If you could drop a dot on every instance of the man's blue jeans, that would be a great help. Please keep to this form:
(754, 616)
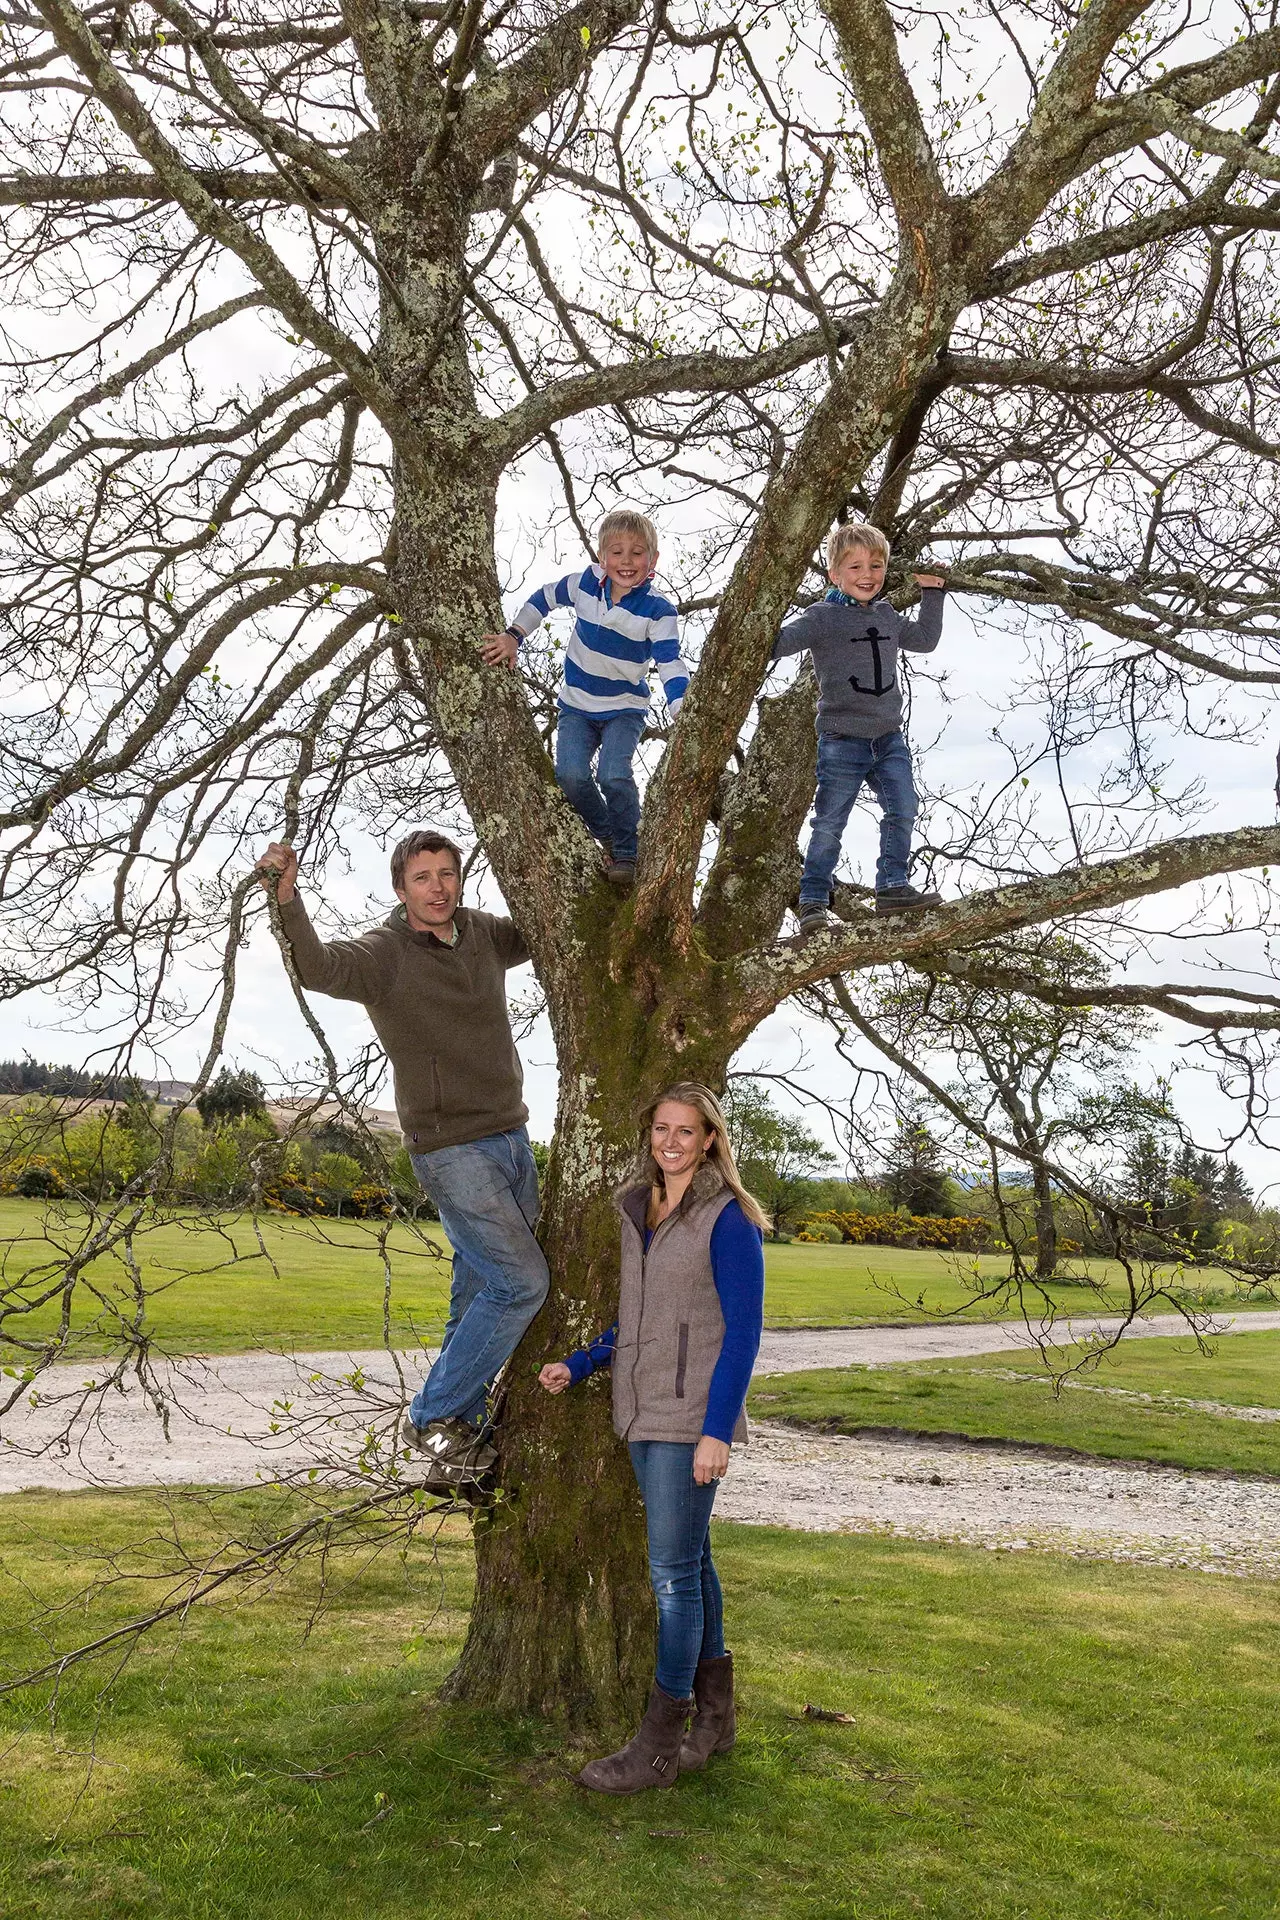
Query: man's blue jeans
(486, 1193)
(685, 1583)
(609, 800)
(885, 765)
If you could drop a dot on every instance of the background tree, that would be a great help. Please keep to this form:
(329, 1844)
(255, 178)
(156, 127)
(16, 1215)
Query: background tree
(1056, 1075)
(235, 1095)
(779, 1158)
(916, 1178)
(291, 291)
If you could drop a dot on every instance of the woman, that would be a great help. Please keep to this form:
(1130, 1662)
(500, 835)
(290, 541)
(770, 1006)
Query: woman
(682, 1349)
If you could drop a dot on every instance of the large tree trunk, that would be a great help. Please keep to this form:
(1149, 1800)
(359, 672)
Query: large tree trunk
(563, 1619)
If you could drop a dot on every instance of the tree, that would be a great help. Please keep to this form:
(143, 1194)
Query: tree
(915, 1177)
(1146, 1174)
(234, 1095)
(1052, 1072)
(778, 1157)
(1235, 1195)
(338, 1174)
(253, 483)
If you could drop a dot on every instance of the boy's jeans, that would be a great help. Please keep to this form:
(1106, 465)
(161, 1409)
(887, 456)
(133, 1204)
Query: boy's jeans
(686, 1587)
(486, 1192)
(885, 764)
(610, 809)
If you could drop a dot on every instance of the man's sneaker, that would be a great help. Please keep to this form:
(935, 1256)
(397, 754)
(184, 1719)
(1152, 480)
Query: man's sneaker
(906, 899)
(622, 873)
(456, 1453)
(812, 918)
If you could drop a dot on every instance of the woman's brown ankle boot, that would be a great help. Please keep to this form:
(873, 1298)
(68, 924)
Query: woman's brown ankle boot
(715, 1721)
(651, 1759)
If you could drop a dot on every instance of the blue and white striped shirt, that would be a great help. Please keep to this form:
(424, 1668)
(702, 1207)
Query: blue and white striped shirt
(612, 644)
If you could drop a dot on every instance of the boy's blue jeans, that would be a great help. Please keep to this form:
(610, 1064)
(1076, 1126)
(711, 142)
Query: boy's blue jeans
(609, 800)
(685, 1583)
(486, 1193)
(885, 765)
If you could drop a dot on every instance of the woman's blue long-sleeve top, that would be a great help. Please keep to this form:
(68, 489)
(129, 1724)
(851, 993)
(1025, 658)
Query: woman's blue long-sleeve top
(737, 1267)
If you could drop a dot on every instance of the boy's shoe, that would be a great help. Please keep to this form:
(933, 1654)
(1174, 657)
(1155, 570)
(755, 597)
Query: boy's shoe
(812, 918)
(457, 1454)
(621, 873)
(906, 899)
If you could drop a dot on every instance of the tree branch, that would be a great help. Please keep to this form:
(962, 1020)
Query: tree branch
(82, 47)
(639, 379)
(1168, 998)
(234, 185)
(499, 107)
(765, 978)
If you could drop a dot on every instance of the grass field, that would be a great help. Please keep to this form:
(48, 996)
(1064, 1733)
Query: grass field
(323, 1284)
(1010, 1397)
(1033, 1739)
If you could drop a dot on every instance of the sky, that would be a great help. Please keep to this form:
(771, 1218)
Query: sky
(980, 656)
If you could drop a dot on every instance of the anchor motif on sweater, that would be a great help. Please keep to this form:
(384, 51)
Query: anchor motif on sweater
(881, 686)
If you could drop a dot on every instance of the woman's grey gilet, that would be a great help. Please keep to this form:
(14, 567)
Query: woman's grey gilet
(670, 1327)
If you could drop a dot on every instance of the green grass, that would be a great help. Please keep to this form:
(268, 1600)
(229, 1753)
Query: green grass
(215, 1292)
(851, 1286)
(1034, 1739)
(1009, 1397)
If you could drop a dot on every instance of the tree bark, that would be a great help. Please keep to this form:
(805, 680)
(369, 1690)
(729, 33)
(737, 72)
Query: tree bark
(1046, 1225)
(562, 1621)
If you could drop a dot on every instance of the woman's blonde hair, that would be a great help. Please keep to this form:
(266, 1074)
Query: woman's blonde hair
(691, 1093)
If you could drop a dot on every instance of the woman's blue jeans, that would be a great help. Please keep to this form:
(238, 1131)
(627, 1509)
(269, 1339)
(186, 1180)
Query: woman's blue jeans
(608, 801)
(685, 1584)
(884, 764)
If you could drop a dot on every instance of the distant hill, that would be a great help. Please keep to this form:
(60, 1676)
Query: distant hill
(35, 1076)
(18, 1077)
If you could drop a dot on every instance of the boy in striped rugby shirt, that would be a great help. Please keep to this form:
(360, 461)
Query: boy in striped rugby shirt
(620, 626)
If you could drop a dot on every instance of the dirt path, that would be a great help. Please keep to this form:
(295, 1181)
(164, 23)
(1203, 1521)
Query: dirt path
(222, 1413)
(1005, 1499)
(954, 1339)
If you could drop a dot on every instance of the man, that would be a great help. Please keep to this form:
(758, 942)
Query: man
(432, 978)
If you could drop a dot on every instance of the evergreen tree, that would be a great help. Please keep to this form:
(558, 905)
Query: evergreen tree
(916, 1179)
(233, 1096)
(1146, 1175)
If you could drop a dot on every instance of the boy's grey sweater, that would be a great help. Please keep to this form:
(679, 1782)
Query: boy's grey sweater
(855, 656)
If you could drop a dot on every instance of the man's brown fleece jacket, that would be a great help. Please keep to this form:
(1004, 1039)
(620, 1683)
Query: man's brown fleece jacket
(440, 1012)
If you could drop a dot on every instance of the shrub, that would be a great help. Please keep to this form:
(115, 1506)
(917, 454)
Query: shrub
(957, 1232)
(40, 1180)
(815, 1231)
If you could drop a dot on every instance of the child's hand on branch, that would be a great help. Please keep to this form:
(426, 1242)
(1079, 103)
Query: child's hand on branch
(499, 649)
(280, 859)
(930, 580)
(555, 1376)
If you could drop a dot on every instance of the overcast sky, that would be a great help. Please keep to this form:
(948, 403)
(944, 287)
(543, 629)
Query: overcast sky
(980, 658)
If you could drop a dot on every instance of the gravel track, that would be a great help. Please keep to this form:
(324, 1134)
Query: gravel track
(221, 1413)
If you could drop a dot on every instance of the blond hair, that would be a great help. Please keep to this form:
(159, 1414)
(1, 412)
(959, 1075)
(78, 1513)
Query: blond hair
(718, 1154)
(627, 520)
(855, 533)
